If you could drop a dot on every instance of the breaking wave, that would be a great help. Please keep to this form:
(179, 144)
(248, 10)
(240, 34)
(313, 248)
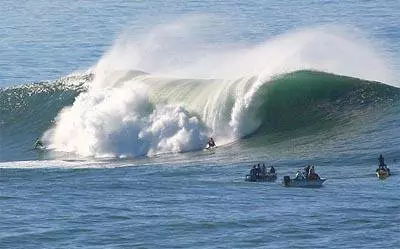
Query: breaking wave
(115, 111)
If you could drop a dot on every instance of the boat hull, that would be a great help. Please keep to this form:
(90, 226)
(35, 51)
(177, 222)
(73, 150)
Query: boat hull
(303, 183)
(382, 174)
(261, 178)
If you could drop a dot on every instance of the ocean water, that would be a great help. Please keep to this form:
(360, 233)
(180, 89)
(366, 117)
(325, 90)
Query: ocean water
(125, 95)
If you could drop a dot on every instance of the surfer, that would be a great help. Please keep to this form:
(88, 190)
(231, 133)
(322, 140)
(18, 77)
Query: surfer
(211, 143)
(38, 144)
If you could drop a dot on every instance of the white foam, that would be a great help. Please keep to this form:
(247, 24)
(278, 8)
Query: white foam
(121, 122)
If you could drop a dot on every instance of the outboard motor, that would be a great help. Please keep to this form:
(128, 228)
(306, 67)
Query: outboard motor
(286, 180)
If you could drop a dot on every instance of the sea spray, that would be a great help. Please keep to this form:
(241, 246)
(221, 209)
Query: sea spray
(329, 49)
(121, 122)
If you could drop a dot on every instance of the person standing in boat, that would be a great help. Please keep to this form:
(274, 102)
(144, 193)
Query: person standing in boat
(381, 161)
(382, 165)
(258, 170)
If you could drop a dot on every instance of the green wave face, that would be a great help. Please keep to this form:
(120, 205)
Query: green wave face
(316, 99)
(27, 111)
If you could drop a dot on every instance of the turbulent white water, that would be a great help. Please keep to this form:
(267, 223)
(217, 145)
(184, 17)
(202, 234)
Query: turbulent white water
(126, 113)
(121, 121)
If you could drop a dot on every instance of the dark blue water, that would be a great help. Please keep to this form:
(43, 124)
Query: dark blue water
(203, 205)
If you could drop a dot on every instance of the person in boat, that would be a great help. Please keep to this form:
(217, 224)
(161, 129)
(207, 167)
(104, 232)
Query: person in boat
(272, 170)
(211, 143)
(382, 165)
(299, 175)
(263, 170)
(253, 171)
(312, 175)
(307, 171)
(38, 144)
(258, 170)
(381, 161)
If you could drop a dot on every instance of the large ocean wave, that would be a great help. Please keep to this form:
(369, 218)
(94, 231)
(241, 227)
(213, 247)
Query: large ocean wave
(144, 115)
(288, 83)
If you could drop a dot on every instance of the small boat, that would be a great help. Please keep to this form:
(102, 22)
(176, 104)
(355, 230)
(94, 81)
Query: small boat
(303, 183)
(269, 177)
(382, 174)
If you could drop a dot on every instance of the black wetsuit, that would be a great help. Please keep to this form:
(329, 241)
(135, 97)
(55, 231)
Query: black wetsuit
(211, 143)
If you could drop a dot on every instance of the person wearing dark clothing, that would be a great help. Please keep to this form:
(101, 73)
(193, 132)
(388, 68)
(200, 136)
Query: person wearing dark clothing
(211, 143)
(307, 171)
(258, 170)
(272, 170)
(38, 144)
(312, 170)
(381, 161)
(382, 165)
